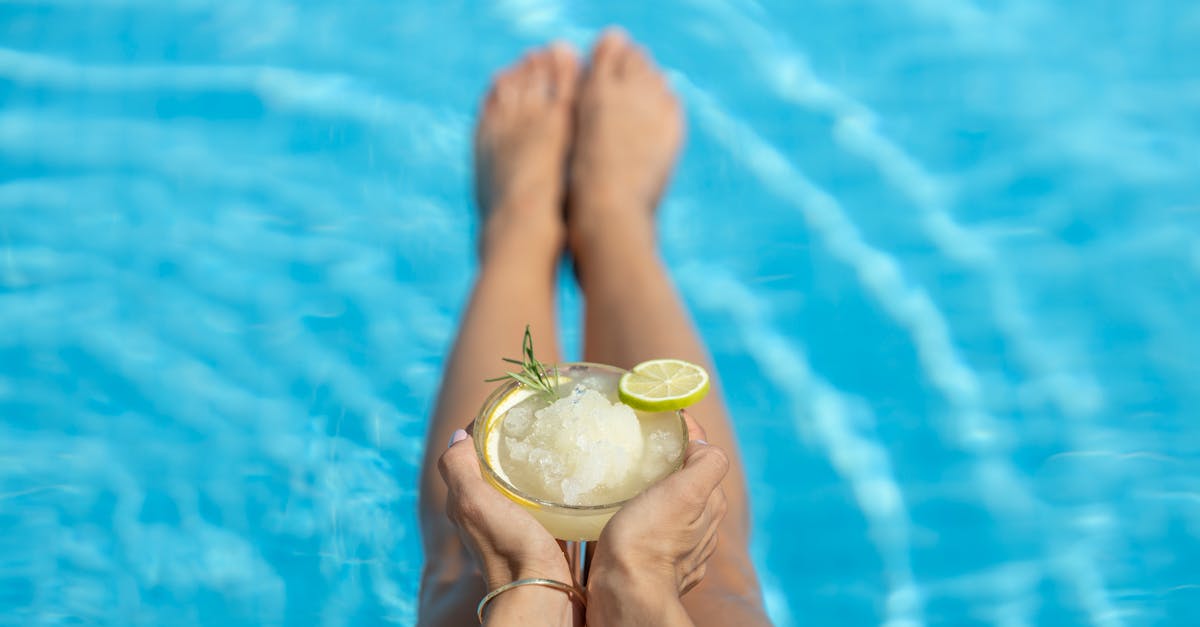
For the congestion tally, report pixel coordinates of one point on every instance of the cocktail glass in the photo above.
(575, 524)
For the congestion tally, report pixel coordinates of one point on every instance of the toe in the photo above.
(544, 78)
(534, 77)
(526, 68)
(608, 48)
(634, 61)
(504, 89)
(564, 69)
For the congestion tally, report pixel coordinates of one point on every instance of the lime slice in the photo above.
(663, 385)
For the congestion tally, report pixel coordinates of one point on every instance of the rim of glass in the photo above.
(502, 392)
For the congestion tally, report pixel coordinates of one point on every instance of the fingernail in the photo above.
(458, 436)
(699, 441)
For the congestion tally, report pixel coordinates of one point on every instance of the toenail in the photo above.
(615, 32)
(503, 93)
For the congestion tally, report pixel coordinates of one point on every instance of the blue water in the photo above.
(946, 253)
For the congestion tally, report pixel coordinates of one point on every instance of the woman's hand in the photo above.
(506, 541)
(655, 548)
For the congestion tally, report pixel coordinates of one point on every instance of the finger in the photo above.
(459, 465)
(695, 431)
(705, 462)
(693, 578)
(707, 546)
(706, 533)
(718, 505)
(714, 509)
(703, 469)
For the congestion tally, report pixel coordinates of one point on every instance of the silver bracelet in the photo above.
(571, 591)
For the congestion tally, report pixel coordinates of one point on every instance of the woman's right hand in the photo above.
(655, 548)
(507, 541)
(504, 538)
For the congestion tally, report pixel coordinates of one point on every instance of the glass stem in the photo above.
(578, 562)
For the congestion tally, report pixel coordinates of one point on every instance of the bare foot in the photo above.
(629, 127)
(521, 147)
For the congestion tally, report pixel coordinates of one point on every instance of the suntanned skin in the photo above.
(630, 127)
(521, 144)
(619, 127)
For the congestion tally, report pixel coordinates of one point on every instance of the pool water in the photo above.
(946, 254)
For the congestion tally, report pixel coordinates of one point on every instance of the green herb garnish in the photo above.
(534, 373)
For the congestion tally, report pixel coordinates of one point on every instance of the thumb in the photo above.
(704, 466)
(695, 431)
(705, 463)
(459, 464)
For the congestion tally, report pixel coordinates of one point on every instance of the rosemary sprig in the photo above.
(533, 372)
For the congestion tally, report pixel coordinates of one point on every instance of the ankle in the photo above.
(586, 200)
(512, 237)
(612, 243)
(597, 219)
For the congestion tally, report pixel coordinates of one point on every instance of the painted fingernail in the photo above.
(458, 436)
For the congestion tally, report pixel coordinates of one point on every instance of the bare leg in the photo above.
(629, 128)
(520, 149)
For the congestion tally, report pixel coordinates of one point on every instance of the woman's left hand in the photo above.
(506, 540)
